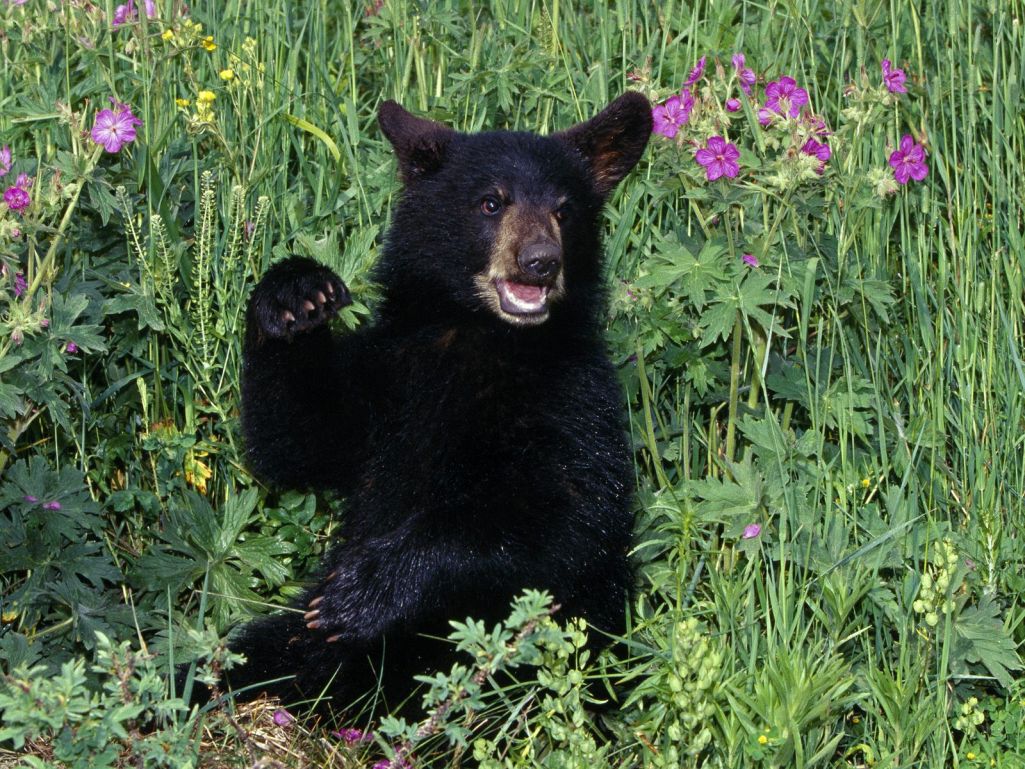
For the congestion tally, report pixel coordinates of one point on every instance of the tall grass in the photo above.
(873, 429)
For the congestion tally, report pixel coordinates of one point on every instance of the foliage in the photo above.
(821, 349)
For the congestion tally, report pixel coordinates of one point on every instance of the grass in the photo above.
(860, 395)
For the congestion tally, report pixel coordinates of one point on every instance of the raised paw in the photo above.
(295, 296)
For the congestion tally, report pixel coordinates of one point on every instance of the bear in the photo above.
(476, 426)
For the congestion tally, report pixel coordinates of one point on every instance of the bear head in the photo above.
(504, 225)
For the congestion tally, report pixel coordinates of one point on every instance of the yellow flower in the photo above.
(226, 74)
(865, 483)
(207, 97)
(183, 102)
(762, 739)
(970, 756)
(168, 35)
(208, 43)
(9, 616)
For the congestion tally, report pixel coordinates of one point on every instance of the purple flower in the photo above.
(893, 79)
(115, 128)
(908, 161)
(30, 498)
(750, 260)
(696, 73)
(16, 198)
(353, 736)
(719, 158)
(5, 160)
(127, 12)
(54, 505)
(674, 113)
(24, 181)
(20, 284)
(818, 150)
(746, 75)
(752, 530)
(782, 97)
(282, 717)
(71, 348)
(732, 105)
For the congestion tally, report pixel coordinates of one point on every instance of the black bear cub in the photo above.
(476, 427)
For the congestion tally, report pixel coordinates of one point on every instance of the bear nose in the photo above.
(540, 260)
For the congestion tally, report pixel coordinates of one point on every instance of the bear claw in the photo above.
(311, 615)
(316, 602)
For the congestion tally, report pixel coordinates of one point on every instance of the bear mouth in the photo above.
(522, 299)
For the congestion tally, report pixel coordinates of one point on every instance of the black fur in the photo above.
(479, 456)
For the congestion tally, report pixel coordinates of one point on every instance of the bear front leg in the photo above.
(304, 396)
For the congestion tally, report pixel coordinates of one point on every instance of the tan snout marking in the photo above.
(521, 226)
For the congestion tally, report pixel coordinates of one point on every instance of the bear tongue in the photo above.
(520, 298)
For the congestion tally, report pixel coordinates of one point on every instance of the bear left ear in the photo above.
(613, 140)
(420, 145)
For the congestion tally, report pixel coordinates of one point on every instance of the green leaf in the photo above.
(982, 638)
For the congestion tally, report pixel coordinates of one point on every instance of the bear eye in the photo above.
(562, 213)
(490, 205)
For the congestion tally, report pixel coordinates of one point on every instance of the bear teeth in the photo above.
(521, 298)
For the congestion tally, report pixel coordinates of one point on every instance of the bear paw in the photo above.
(296, 296)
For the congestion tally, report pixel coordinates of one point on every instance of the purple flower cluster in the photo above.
(16, 196)
(114, 128)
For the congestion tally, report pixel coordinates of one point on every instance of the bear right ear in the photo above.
(419, 144)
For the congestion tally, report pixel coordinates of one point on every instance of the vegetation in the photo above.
(820, 333)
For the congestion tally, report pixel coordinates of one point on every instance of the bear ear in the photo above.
(419, 144)
(613, 140)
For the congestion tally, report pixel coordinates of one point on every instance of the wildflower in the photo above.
(226, 74)
(893, 79)
(208, 44)
(16, 198)
(31, 499)
(751, 261)
(719, 158)
(751, 531)
(115, 128)
(15, 233)
(282, 717)
(782, 97)
(5, 160)
(20, 284)
(762, 739)
(970, 756)
(71, 348)
(696, 73)
(353, 736)
(167, 35)
(207, 97)
(54, 505)
(746, 75)
(127, 12)
(183, 103)
(674, 113)
(732, 105)
(817, 150)
(24, 181)
(908, 161)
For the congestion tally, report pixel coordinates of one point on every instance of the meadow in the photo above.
(817, 307)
